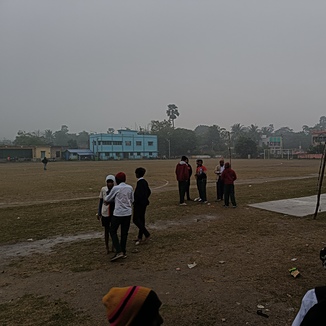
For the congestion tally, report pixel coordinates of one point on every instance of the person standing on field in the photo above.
(188, 182)
(228, 177)
(201, 178)
(182, 174)
(141, 195)
(123, 196)
(45, 162)
(105, 212)
(219, 183)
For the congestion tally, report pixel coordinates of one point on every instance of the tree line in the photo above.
(203, 140)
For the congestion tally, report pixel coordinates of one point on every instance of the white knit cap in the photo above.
(110, 177)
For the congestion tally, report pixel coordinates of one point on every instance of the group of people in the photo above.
(118, 202)
(224, 183)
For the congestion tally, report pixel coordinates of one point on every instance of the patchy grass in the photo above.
(38, 311)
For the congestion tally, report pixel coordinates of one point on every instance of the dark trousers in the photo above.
(201, 186)
(188, 190)
(229, 194)
(124, 222)
(182, 190)
(139, 220)
(219, 189)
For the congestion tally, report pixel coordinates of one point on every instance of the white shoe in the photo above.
(183, 204)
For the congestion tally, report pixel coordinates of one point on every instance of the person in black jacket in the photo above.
(141, 195)
(188, 182)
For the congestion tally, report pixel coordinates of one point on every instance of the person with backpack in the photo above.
(313, 305)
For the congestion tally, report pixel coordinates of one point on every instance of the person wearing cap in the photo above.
(313, 305)
(132, 306)
(228, 177)
(219, 183)
(105, 212)
(123, 196)
(182, 174)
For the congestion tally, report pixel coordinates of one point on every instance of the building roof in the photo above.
(80, 152)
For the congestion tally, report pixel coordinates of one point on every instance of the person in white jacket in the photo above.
(123, 196)
(313, 305)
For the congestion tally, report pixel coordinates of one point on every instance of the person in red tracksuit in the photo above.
(182, 174)
(228, 177)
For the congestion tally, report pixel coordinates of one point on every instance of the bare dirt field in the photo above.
(55, 271)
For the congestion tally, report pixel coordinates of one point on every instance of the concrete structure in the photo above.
(127, 144)
(302, 206)
(318, 137)
(30, 153)
(78, 155)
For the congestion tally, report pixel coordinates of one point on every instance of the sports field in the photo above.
(55, 269)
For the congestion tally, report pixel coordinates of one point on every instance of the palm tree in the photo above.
(172, 112)
(237, 130)
(254, 133)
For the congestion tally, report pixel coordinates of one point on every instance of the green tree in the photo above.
(29, 139)
(49, 136)
(62, 136)
(72, 143)
(182, 142)
(83, 139)
(254, 133)
(237, 130)
(245, 146)
(172, 113)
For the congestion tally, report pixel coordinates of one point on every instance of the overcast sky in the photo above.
(95, 64)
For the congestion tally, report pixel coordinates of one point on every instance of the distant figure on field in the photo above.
(105, 212)
(313, 306)
(141, 195)
(219, 183)
(45, 162)
(133, 306)
(188, 182)
(228, 177)
(123, 197)
(201, 179)
(182, 174)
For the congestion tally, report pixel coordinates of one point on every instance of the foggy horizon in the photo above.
(99, 65)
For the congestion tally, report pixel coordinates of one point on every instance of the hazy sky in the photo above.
(95, 64)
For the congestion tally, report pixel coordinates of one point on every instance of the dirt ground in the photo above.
(243, 256)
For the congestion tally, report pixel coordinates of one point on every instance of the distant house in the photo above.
(126, 144)
(318, 137)
(78, 155)
(30, 153)
(274, 144)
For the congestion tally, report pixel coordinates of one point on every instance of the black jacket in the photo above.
(142, 193)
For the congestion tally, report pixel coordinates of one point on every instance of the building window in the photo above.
(57, 154)
(117, 143)
(150, 143)
(128, 143)
(138, 143)
(138, 154)
(150, 153)
(131, 154)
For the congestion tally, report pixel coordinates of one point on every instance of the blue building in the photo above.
(126, 144)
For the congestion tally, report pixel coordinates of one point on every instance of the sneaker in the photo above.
(234, 206)
(200, 200)
(137, 243)
(205, 202)
(124, 256)
(196, 199)
(117, 256)
(183, 204)
(226, 206)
